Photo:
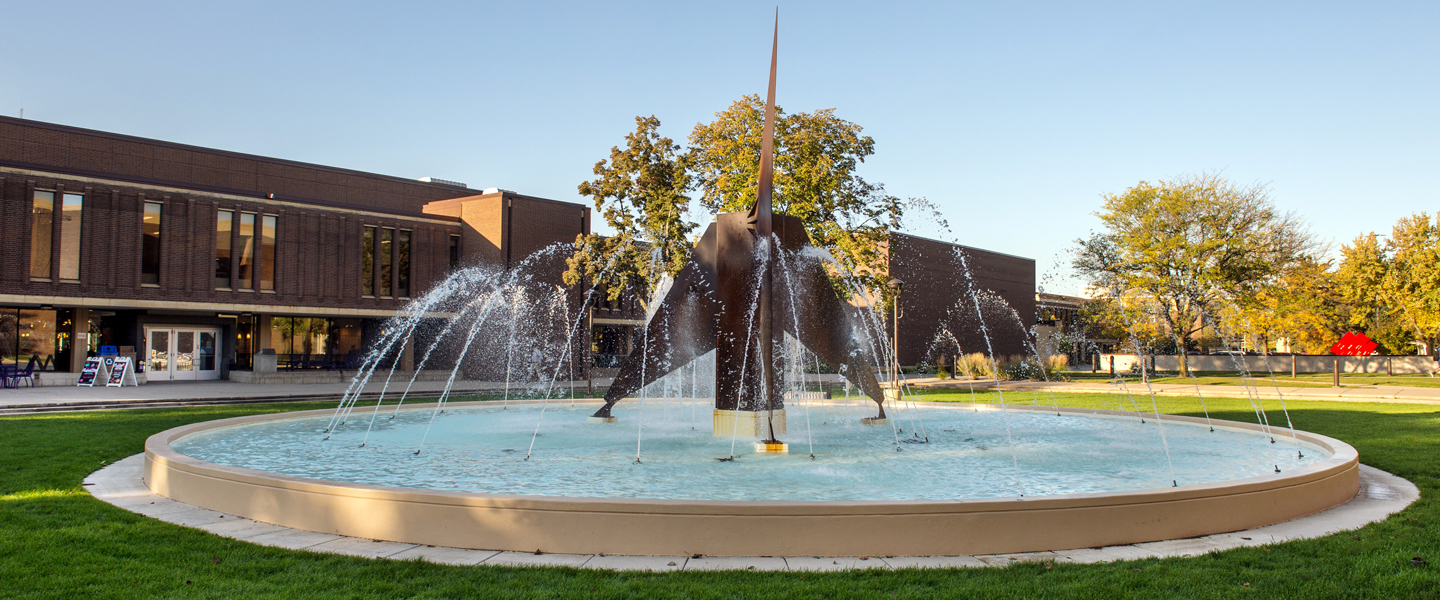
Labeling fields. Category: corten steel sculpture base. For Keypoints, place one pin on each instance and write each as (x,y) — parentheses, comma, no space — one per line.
(710,307)
(725,300)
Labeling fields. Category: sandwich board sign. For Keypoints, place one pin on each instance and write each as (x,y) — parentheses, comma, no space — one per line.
(123,373)
(91,371)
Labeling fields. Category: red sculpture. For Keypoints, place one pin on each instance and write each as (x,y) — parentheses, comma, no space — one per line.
(1354,344)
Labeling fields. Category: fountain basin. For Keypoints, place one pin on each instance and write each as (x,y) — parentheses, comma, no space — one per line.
(631,525)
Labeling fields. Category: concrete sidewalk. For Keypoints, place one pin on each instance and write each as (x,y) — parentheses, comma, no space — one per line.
(190,393)
(194,393)
(1263,389)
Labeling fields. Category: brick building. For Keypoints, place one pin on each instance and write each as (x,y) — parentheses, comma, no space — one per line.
(198,258)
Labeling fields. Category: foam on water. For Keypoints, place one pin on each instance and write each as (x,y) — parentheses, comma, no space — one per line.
(482,449)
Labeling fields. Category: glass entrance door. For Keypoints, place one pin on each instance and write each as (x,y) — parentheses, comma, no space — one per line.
(157,355)
(181,353)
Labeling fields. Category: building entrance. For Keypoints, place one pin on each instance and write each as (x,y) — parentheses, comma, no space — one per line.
(181,353)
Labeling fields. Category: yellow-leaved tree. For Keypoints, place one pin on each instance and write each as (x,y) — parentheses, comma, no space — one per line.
(1193,244)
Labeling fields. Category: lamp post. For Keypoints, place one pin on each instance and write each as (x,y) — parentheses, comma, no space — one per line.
(896,286)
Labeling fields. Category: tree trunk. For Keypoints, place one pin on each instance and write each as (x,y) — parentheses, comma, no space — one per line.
(1184,358)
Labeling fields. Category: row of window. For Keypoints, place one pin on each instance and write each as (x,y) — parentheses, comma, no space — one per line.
(239,235)
(43,231)
(385,256)
(385,261)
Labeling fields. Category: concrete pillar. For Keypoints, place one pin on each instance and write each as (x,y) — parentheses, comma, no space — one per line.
(80,333)
(407,355)
(262,333)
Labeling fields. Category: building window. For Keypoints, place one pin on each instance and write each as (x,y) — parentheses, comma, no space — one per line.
(245,327)
(402,264)
(224,227)
(29,334)
(454,251)
(150,245)
(302,336)
(267,253)
(247,251)
(387,245)
(367,263)
(42,222)
(72,210)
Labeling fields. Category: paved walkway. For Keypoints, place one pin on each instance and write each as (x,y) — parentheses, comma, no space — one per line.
(177,393)
(191,393)
(1264,389)
(121,484)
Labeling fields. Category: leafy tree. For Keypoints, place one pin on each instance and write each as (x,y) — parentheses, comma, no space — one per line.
(1299,304)
(1394,286)
(1131,320)
(1412,281)
(1192,244)
(640,192)
(816,156)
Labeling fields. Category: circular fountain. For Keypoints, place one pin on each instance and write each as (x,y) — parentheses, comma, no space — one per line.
(1076,480)
(684,469)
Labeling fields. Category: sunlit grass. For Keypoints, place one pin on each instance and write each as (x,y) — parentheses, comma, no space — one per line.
(56,541)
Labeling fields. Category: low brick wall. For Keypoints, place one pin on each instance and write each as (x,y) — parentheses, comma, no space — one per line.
(1398,365)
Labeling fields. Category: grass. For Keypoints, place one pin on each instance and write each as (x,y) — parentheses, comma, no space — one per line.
(56,541)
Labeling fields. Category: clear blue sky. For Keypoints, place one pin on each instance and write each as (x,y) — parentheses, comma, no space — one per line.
(1014,118)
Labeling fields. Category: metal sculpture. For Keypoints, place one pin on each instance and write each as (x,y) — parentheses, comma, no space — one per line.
(724,300)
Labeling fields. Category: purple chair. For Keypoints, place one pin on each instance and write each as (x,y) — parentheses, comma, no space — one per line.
(28,374)
(7,376)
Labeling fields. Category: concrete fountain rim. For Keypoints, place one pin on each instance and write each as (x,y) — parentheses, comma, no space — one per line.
(158,449)
(725,528)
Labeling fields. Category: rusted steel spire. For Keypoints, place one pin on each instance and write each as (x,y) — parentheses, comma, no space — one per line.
(763,231)
(762,210)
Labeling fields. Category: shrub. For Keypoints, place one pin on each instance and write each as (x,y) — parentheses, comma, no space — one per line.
(1055,367)
(1014,368)
(975,365)
(1019,367)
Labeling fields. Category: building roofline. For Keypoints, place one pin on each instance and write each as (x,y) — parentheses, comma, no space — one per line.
(118,179)
(228,153)
(500,194)
(960,245)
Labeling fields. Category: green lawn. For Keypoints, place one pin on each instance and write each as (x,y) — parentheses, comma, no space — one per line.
(56,541)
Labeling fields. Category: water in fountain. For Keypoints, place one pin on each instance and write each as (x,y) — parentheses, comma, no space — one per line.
(475,304)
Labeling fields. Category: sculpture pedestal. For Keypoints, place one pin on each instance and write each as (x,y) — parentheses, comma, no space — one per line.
(602,419)
(747,423)
(780,448)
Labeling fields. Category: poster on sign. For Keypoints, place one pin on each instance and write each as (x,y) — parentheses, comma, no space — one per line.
(91,371)
(123,373)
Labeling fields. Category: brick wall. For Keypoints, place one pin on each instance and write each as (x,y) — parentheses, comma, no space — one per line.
(318,250)
(936,298)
